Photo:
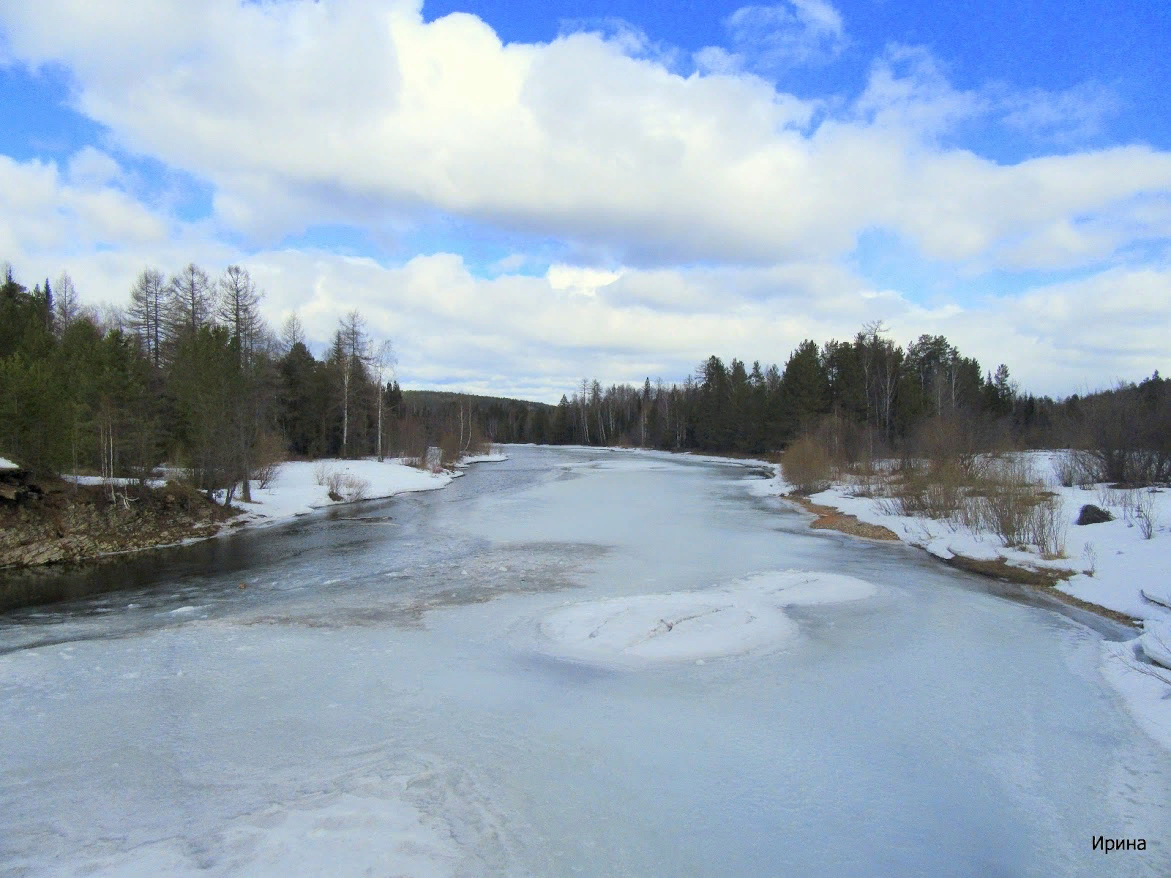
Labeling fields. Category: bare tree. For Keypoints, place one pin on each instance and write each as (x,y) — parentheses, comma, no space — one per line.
(239,314)
(292,333)
(191,301)
(239,311)
(65,304)
(353,351)
(383,360)
(148,311)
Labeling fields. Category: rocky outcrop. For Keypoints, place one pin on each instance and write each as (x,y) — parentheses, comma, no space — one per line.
(17,485)
(60,523)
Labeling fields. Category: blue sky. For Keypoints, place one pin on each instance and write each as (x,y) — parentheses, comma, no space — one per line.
(522,194)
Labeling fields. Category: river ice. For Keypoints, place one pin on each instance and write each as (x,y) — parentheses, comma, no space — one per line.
(414,691)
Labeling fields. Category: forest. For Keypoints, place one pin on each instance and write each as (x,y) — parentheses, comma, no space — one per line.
(190,374)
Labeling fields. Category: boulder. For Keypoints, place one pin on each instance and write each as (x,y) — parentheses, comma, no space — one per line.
(1092,514)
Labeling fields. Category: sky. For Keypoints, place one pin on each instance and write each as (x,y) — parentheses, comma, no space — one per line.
(519,195)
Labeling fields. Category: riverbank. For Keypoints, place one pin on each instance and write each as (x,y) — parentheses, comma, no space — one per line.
(79,521)
(1112,568)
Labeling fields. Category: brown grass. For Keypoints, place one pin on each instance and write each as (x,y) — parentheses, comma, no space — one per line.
(829,518)
(1040,578)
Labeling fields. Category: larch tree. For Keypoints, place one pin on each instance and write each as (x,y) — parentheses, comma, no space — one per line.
(148,313)
(65,304)
(239,314)
(191,302)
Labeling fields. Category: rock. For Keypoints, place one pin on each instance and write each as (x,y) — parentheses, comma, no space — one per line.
(1092,514)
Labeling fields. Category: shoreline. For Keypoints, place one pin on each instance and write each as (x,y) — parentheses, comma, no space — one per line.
(1042,580)
(60,552)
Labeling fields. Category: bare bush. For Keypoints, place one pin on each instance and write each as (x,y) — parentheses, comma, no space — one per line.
(1048,526)
(1077,468)
(270,453)
(1015,506)
(1007,495)
(1145,514)
(806,466)
(934,489)
(321,473)
(353,488)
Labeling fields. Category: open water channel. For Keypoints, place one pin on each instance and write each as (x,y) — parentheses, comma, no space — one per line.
(381,698)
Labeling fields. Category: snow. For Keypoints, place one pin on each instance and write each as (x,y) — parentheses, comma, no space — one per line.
(1142,687)
(1113,561)
(370,835)
(1156,643)
(492,457)
(297,727)
(294,490)
(742,617)
(5,463)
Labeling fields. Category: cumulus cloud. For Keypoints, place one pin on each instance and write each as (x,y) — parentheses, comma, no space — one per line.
(536,336)
(585,139)
(720,208)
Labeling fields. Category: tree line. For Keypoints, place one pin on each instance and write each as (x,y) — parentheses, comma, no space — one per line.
(869,397)
(190,373)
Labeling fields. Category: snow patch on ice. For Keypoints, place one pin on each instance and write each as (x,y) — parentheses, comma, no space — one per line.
(493,457)
(340,833)
(745,616)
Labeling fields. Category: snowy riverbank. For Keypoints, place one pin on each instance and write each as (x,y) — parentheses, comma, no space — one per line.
(301,487)
(1113,563)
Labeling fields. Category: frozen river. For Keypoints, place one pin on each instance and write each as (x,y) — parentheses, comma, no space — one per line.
(439,685)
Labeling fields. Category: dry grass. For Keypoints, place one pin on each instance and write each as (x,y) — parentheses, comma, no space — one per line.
(998,495)
(829,518)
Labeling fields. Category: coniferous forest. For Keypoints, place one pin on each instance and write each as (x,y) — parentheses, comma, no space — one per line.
(189,373)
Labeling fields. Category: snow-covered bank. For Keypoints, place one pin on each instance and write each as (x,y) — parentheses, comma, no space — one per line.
(1113,563)
(300,487)
(745,616)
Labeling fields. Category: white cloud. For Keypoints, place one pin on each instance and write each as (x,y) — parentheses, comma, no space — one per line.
(594,142)
(786,34)
(1067,116)
(577,140)
(537,336)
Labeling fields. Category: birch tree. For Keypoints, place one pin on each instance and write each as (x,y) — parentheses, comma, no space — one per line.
(383,361)
(353,351)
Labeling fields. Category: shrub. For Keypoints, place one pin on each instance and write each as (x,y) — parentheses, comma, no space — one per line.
(321,473)
(353,488)
(1012,504)
(806,466)
(1144,512)
(1077,468)
(933,490)
(270,453)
